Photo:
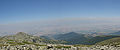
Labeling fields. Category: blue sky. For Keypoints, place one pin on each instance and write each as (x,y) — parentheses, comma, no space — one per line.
(31,10)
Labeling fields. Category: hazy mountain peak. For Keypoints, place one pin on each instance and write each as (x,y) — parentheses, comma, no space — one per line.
(21,33)
(72,33)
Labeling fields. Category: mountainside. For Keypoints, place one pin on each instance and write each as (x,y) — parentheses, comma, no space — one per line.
(76,38)
(68,38)
(68,35)
(23,38)
(113,41)
(100,38)
(115,33)
(72,38)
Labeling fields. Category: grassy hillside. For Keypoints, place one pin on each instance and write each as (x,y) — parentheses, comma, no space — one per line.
(75,38)
(23,38)
(113,41)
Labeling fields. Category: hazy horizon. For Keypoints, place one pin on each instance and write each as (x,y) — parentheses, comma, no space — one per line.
(57,16)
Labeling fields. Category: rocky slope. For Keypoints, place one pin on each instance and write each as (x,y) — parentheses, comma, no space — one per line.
(23,38)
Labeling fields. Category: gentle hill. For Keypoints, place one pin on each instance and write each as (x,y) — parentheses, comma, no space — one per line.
(100,38)
(115,33)
(113,41)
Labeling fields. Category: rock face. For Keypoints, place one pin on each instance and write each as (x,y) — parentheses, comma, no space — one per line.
(33,47)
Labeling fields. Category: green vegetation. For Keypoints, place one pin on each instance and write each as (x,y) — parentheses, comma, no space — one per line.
(3,45)
(82,45)
(70,38)
(113,41)
(23,38)
(73,38)
(39,45)
(59,47)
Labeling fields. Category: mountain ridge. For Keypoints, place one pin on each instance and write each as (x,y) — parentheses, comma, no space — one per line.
(77,38)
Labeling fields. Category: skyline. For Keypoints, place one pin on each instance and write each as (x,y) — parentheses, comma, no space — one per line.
(59,16)
(59,24)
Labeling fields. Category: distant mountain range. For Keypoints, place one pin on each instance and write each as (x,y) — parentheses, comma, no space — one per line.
(71,38)
(88,39)
(115,33)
